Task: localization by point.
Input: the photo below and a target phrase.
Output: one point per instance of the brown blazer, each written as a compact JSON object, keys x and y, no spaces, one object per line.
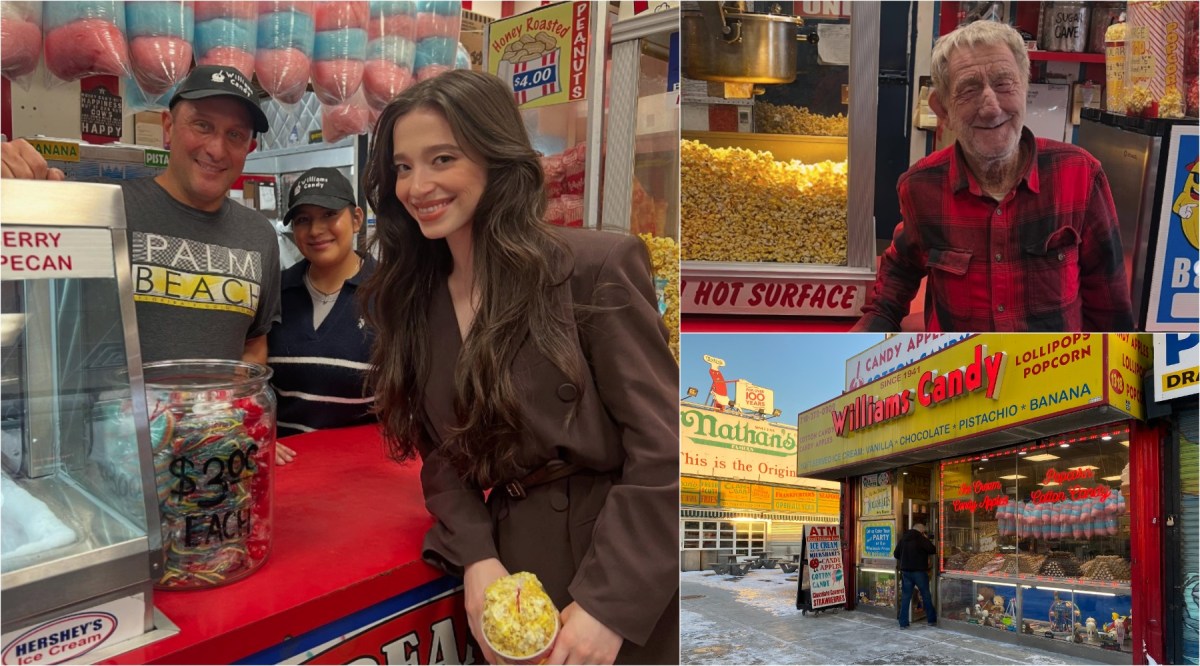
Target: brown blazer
{"x":607,"y":538}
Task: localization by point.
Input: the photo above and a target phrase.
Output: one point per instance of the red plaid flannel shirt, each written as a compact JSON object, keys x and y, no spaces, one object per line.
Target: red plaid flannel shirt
{"x":1046,"y":258}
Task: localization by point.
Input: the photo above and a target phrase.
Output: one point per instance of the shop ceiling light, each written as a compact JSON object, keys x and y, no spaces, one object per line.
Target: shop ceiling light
{"x":1013,"y":477}
{"x":1124,"y":442}
{"x":1048,"y":483}
{"x":983,"y":459}
{"x":1106,"y":437}
{"x":1064,"y":445}
{"x":1042,"y":457}
{"x":1084,"y":467}
{"x":1022,"y":453}
{"x":1111,"y":478}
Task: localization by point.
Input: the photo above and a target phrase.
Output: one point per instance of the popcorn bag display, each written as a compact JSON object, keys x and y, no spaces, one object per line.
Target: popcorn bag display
{"x":160,"y":43}
{"x":437,"y":27}
{"x":340,"y":50}
{"x":283,"y":61}
{"x":530,"y":66}
{"x":391,"y":51}
{"x":1114,"y":67}
{"x":1156,"y":50}
{"x":84,"y":39}
{"x":20,"y":40}
{"x":212,"y":435}
{"x":520,"y":622}
{"x":227,"y":34}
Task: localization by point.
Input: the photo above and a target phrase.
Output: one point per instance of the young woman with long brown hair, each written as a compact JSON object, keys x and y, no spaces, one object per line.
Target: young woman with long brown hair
{"x":526,"y":359}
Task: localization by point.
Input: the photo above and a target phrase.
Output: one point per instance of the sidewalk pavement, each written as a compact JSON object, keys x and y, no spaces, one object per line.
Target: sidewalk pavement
{"x":753,"y":620}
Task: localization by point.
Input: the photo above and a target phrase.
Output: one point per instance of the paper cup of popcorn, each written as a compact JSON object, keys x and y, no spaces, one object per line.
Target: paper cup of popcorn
{"x":520,"y":622}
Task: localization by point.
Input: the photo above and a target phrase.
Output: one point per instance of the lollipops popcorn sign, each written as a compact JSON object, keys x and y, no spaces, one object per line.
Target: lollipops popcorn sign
{"x":543,"y":55}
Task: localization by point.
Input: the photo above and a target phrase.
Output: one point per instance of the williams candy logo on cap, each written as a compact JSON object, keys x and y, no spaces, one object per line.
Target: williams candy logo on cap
{"x":235,"y":80}
{"x":310,"y":183}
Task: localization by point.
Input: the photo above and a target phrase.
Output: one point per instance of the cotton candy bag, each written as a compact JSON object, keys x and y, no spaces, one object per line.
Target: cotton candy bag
{"x":391,"y":50}
{"x":160,"y":43}
{"x":20,"y":40}
{"x":283,"y":62}
{"x":84,"y":39}
{"x":340,"y":50}
{"x":227,"y":34}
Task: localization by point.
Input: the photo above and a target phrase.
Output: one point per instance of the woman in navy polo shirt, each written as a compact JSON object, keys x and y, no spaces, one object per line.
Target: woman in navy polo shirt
{"x":321,"y":350}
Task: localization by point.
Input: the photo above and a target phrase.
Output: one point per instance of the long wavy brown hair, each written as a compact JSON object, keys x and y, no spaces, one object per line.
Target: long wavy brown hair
{"x":514,"y":259}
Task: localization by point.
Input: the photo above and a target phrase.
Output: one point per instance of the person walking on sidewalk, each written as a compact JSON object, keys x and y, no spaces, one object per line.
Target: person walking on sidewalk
{"x":913,"y":553}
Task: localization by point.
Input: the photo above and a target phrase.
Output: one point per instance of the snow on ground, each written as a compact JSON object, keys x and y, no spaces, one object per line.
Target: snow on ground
{"x":766,"y":589}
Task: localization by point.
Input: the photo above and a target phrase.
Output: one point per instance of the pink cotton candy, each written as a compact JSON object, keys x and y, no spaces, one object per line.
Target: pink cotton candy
{"x":426,"y":73}
{"x":20,"y":46}
{"x":398,"y":25}
{"x":283,"y":73}
{"x":85,"y":48}
{"x":206,"y":10}
{"x":159,"y":62}
{"x":334,"y":15}
{"x":338,"y":122}
{"x":383,"y":80}
{"x":435,"y":25}
{"x":229,"y":56}
{"x":335,"y":81}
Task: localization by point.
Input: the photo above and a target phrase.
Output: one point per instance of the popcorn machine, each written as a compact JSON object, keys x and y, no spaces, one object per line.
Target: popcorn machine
{"x":773,"y":222}
{"x":81,"y":540}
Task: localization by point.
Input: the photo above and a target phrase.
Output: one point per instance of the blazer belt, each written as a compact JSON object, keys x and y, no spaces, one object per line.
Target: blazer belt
{"x":551,"y":471}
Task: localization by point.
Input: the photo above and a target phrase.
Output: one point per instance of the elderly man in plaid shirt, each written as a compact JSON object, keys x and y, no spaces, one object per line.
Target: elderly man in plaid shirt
{"x":1015,"y":233}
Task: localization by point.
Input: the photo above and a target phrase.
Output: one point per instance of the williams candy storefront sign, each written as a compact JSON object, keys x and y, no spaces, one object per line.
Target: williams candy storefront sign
{"x":983,"y":385}
{"x":736,"y":447}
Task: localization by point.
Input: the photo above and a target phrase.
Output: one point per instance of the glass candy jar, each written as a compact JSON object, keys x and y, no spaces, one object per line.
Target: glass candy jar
{"x":212,"y":433}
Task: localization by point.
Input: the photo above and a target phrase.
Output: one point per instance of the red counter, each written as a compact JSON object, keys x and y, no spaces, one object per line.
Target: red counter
{"x":344,"y":580}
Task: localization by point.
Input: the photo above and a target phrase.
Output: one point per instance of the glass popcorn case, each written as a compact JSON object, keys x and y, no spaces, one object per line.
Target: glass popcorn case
{"x":80,"y":521}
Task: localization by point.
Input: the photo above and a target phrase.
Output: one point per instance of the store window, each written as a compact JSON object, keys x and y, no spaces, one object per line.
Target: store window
{"x":741,"y":537}
{"x":1036,"y":538}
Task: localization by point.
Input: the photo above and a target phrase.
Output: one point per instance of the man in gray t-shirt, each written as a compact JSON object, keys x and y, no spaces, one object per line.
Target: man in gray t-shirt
{"x":205,"y":270}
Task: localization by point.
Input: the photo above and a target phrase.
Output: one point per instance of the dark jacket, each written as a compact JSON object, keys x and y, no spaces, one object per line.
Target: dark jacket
{"x":608,"y":539}
{"x":913,"y":551}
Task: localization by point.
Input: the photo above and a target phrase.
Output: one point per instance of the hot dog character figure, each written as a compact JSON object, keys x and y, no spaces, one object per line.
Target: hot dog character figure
{"x":1187,"y":205}
{"x":719,"y":390}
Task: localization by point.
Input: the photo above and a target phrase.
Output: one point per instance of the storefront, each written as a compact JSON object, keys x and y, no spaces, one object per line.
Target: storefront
{"x":738,"y":493}
{"x":1171,"y":405}
{"x":1029,"y":460}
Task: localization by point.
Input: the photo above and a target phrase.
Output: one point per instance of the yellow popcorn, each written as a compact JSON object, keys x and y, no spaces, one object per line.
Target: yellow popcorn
{"x":1171,"y":105}
{"x":1115,"y":33}
{"x":1138,"y":99}
{"x":664,"y":258}
{"x":519,"y":619}
{"x":784,"y":119}
{"x":742,"y":205}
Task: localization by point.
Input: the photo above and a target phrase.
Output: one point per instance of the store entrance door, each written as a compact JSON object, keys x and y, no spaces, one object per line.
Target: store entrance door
{"x":918,"y":505}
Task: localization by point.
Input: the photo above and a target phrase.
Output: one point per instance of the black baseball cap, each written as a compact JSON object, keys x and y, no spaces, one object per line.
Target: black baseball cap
{"x":215,"y":80}
{"x":321,"y":186}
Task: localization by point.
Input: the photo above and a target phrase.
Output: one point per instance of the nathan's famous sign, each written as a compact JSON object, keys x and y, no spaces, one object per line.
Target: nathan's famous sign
{"x":983,"y":384}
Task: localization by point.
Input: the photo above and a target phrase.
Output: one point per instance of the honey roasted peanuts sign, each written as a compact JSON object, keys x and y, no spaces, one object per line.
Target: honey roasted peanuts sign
{"x":542,"y":55}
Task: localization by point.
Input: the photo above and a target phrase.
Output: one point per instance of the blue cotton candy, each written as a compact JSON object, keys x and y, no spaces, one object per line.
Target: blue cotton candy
{"x":392,"y":7}
{"x":160,"y":19}
{"x":282,"y":30}
{"x":436,"y":51}
{"x":393,"y":49}
{"x":238,"y":33}
{"x":58,"y":14}
{"x":440,"y":7}
{"x":463,"y":58}
{"x":347,"y":43}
